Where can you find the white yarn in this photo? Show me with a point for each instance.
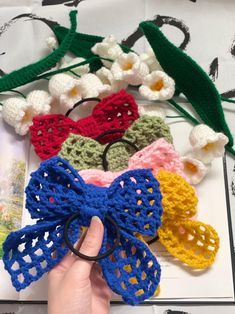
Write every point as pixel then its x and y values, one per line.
pixel 150 59
pixel 80 70
pixel 107 78
pixel 130 68
pixel 206 143
pixel 108 48
pixel 19 112
pixel 157 86
pixel 194 169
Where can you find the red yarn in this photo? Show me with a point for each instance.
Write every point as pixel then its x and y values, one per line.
pixel 116 111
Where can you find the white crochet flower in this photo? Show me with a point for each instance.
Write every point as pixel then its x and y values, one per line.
pixel 108 48
pixel 206 143
pixel 151 110
pixel 92 86
pixel 66 88
pixel 80 70
pixel 194 169
pixel 157 86
pixel 150 58
pixel 51 43
pixel 19 112
pixel 130 68
pixel 106 77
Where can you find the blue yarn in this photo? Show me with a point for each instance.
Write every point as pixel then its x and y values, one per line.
pixel 54 193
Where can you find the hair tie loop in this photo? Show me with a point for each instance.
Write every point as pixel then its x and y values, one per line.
pixel 154 239
pixel 86 257
pixel 81 102
pixel 109 132
pixel 122 140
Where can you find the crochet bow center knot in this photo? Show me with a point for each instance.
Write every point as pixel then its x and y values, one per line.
pixel 55 193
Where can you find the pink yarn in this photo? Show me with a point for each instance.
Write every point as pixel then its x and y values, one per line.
pixel 158 155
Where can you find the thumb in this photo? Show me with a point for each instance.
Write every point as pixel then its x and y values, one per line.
pixel 90 246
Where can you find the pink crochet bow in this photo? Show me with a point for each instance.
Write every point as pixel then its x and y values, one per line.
pixel 158 155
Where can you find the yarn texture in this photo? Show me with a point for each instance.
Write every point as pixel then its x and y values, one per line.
pixel 116 111
pixel 54 193
pixel 192 242
pixel 28 73
pixel 85 153
pixel 158 155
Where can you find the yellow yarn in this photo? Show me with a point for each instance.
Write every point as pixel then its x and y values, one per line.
pixel 192 242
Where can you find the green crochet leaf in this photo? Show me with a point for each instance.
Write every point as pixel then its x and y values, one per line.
pixel 190 78
pixel 82 44
pixel 28 73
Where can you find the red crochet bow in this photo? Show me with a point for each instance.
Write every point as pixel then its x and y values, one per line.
pixel 116 111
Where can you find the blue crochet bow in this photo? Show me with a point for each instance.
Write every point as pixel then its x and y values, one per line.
pixel 54 193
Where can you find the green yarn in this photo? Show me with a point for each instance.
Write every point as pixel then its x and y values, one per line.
pixel 86 153
pixel 82 44
pixel 185 114
pixel 228 100
pixel 190 78
pixel 146 130
pixel 28 73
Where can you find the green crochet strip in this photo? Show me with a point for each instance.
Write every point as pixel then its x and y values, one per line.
pixel 82 44
pixel 86 153
pixel 190 78
pixel 28 73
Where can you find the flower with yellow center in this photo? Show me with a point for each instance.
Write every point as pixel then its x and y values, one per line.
pixel 194 169
pixel 206 143
pixel 129 68
pixel 157 86
pixel 19 112
pixel 66 89
pixel 192 242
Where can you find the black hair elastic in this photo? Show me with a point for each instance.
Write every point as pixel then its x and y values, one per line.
pixel 122 140
pixel 81 102
pixel 108 132
pixel 156 238
pixel 83 256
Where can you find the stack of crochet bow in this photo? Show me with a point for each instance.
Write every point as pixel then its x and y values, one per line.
pixel 120 166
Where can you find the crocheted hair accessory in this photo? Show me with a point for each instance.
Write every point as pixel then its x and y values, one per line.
pixel 158 155
pixel 107 147
pixel 192 242
pixel 116 111
pixel 56 192
pixel 85 153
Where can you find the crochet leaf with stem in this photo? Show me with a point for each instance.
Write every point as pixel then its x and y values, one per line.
pixel 28 73
pixel 190 78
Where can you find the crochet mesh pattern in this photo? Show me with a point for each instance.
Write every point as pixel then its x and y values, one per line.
pixel 116 111
pixel 158 155
pixel 192 242
pixel 146 130
pixel 84 153
pixel 54 193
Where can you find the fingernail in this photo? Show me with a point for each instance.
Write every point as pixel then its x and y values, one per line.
pixel 96 218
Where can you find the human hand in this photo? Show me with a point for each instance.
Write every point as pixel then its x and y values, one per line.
pixel 76 286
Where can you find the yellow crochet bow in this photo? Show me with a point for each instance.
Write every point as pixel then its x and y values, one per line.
pixel 192 242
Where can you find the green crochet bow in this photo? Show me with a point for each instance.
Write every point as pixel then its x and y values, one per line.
pixel 86 153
